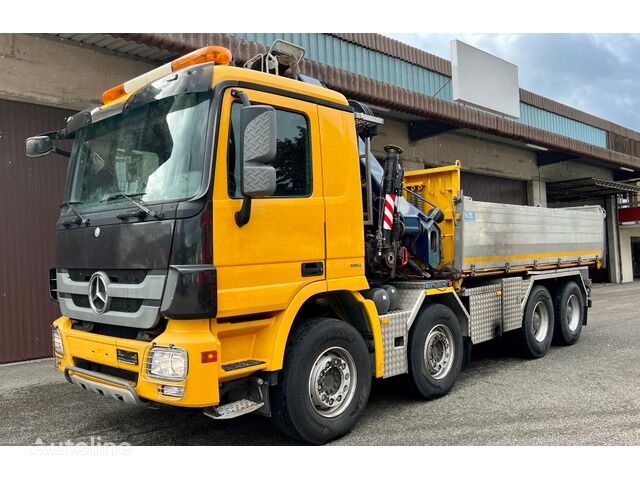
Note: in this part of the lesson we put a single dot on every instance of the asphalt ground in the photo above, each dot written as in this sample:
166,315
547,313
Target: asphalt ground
585,394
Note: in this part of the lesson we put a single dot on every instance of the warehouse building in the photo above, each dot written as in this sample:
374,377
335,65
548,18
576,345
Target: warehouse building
551,155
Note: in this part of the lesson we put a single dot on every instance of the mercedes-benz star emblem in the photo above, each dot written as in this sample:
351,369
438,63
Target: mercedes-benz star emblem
96,232
98,296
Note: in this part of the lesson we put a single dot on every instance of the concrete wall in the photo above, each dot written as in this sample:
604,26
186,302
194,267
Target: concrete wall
477,155
625,251
59,73
480,155
572,169
483,156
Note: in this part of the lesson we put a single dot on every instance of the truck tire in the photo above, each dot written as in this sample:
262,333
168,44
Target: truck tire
325,382
435,351
569,317
537,325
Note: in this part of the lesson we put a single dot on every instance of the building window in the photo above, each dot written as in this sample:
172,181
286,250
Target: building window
293,155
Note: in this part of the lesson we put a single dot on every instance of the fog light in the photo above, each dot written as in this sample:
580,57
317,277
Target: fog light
58,348
168,363
172,391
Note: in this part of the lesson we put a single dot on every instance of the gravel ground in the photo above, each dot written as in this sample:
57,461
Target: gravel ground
586,394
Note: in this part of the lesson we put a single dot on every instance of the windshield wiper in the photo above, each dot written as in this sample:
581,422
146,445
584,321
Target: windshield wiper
80,220
141,208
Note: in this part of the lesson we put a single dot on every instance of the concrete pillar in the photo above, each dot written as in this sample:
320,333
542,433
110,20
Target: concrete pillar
613,241
537,192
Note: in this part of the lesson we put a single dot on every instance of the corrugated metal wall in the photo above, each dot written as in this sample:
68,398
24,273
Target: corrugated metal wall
537,117
623,144
335,51
30,195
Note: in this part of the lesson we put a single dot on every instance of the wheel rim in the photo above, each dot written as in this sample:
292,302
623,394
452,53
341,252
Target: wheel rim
540,324
573,313
439,351
332,382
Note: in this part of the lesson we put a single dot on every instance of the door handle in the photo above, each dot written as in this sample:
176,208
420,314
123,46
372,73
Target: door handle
312,269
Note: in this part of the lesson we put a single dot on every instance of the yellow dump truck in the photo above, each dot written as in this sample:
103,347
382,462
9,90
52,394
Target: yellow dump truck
228,242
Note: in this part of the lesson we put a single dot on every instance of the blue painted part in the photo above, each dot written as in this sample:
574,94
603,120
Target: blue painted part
418,226
334,51
353,58
551,122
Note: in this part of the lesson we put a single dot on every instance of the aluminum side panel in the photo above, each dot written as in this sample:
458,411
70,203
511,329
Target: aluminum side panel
497,235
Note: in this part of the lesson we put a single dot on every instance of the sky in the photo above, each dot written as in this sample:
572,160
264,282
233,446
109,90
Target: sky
595,73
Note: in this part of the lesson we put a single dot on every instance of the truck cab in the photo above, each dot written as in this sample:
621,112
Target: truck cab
166,297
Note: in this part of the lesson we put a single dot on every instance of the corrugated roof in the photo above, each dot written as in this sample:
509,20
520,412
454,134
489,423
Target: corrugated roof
118,44
587,188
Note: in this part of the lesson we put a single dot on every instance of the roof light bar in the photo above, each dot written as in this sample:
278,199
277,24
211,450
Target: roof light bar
216,54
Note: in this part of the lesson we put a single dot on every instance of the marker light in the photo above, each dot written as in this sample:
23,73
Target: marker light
209,357
113,93
216,54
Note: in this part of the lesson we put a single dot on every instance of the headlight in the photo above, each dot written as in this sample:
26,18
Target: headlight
56,338
168,363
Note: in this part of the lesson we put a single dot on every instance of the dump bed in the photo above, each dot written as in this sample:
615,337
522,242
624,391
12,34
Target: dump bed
494,237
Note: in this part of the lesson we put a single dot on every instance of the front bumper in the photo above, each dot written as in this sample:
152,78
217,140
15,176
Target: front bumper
105,385
131,383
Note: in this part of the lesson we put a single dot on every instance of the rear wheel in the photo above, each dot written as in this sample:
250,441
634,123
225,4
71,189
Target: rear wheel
325,381
537,324
569,314
435,351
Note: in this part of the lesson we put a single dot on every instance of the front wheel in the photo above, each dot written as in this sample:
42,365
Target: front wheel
435,351
325,381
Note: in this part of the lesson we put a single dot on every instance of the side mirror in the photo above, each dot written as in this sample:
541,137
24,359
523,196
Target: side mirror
38,146
257,147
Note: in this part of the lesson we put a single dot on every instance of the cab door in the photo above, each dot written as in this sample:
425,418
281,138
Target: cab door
263,264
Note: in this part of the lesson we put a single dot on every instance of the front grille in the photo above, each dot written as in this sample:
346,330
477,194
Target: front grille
126,305
129,276
80,300
107,370
119,331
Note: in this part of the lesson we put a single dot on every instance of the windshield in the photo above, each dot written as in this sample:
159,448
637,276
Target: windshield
153,153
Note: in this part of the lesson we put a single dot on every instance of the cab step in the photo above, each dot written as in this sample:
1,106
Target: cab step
228,367
233,409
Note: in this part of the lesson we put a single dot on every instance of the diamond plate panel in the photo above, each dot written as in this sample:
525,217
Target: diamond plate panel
394,325
259,179
525,288
492,287
511,303
485,311
408,297
258,136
